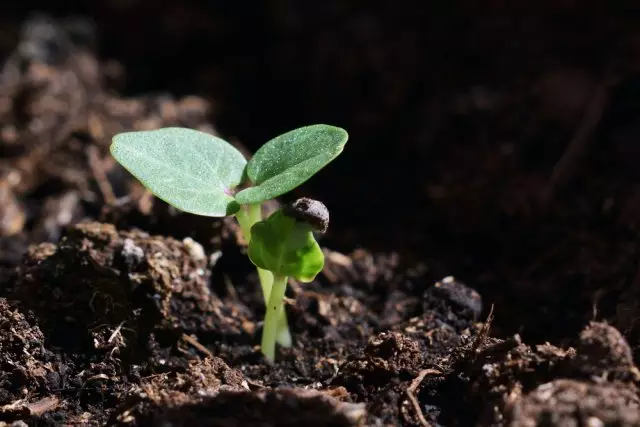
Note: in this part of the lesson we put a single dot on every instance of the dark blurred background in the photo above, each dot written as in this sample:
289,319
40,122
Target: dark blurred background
496,141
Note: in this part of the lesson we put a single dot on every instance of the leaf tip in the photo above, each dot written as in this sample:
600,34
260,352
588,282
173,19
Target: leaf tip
119,142
338,131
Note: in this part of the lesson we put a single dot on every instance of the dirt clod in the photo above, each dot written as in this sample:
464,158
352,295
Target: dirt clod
602,351
110,290
497,372
169,391
269,408
574,403
454,301
387,358
23,358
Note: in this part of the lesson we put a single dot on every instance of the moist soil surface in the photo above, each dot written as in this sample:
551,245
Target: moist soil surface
482,257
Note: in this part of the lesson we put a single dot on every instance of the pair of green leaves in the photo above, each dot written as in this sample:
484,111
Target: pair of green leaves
198,173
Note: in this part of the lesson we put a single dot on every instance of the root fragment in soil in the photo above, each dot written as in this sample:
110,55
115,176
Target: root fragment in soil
411,394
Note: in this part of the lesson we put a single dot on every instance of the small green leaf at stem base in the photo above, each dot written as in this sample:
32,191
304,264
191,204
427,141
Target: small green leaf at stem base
289,160
286,247
189,169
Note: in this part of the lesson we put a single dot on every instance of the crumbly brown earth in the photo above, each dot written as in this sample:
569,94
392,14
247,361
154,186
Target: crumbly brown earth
483,272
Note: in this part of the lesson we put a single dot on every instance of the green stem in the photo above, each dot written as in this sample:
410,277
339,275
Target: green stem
245,223
255,213
273,316
266,280
247,218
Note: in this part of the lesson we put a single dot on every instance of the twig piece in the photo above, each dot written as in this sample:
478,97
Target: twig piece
413,399
483,334
195,343
115,332
500,347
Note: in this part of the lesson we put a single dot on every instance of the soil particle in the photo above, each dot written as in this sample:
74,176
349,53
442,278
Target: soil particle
571,403
109,290
502,379
332,317
283,407
388,357
380,375
434,337
391,288
455,303
365,267
169,391
448,311
23,358
602,351
382,371
487,372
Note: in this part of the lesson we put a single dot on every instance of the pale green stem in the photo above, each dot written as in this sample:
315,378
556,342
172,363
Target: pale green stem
273,315
245,223
284,336
255,213
246,219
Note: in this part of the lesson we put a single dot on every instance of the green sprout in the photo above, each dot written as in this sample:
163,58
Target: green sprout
202,174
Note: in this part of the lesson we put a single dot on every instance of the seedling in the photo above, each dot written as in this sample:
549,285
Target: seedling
204,175
284,245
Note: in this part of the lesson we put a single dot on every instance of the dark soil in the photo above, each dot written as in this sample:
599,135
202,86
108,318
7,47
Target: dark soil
482,257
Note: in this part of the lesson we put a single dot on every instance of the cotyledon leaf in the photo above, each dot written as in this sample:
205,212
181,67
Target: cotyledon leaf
290,159
189,169
286,246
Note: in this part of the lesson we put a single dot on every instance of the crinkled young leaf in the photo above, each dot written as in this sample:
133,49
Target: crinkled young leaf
289,160
191,170
285,246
